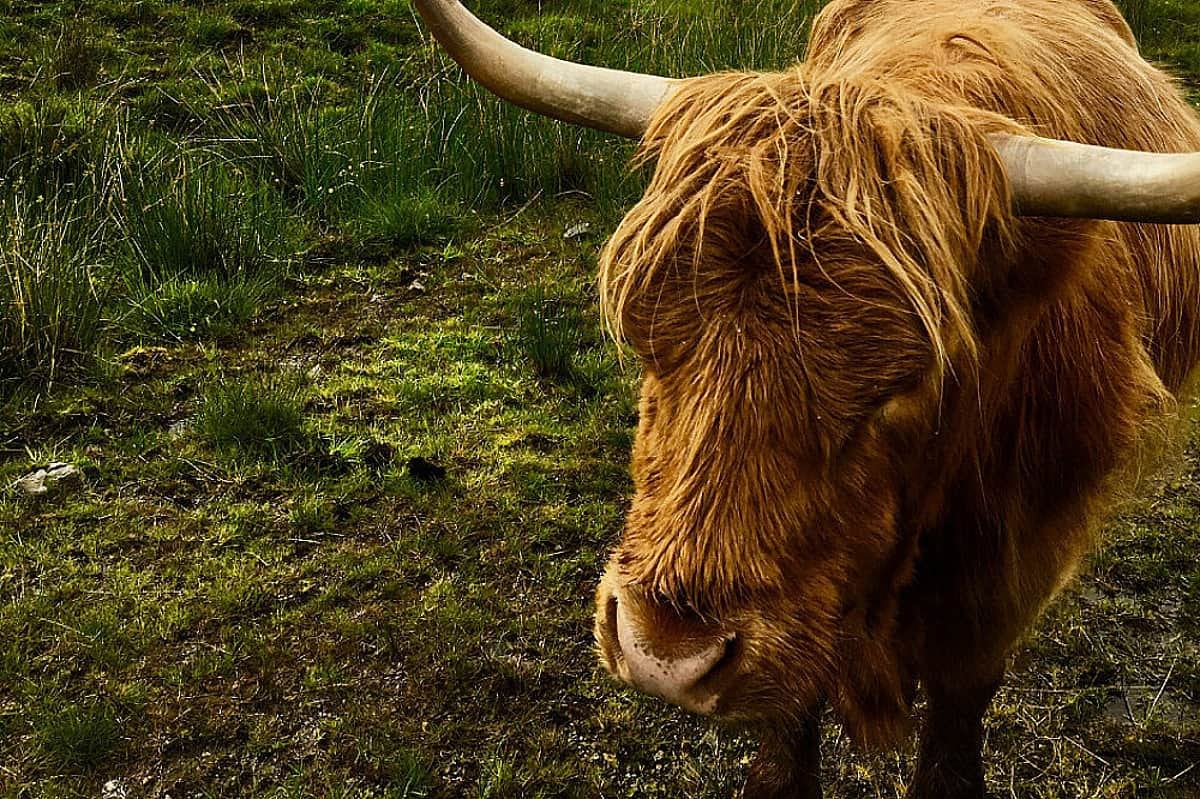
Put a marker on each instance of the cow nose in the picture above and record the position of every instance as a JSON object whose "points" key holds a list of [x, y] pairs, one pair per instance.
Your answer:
{"points": [[675, 661]]}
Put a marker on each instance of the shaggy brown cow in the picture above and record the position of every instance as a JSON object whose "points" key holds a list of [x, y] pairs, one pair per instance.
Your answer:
{"points": [[894, 365]]}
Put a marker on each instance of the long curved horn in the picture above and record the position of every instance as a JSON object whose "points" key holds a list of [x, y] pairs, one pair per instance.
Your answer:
{"points": [[1067, 179], [606, 99]]}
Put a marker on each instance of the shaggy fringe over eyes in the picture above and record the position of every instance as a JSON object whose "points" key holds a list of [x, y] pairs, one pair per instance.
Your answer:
{"points": [[819, 165]]}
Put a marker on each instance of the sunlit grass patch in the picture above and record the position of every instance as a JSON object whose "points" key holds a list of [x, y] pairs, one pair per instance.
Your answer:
{"points": [[311, 514], [203, 249], [258, 416], [56, 158], [551, 333], [680, 38], [210, 28], [62, 146], [498, 778], [408, 773], [287, 133], [386, 163], [499, 155], [194, 308]]}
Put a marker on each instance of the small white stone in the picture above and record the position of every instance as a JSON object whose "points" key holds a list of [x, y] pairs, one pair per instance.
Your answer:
{"points": [[61, 471], [41, 480], [33, 483], [114, 789], [577, 230]]}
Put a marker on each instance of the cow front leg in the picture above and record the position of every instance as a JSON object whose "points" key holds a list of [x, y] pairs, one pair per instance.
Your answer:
{"points": [[788, 764], [950, 763]]}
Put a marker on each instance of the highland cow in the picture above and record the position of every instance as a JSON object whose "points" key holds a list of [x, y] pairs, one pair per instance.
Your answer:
{"points": [[908, 314]]}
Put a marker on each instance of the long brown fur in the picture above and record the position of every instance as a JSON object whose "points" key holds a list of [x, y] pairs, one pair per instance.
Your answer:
{"points": [[881, 416]]}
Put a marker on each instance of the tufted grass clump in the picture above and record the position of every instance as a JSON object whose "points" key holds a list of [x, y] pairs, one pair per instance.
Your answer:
{"points": [[75, 59], [79, 737], [54, 143], [311, 514], [203, 248], [550, 333], [405, 218], [291, 136], [51, 302], [188, 217], [259, 416], [194, 308]]}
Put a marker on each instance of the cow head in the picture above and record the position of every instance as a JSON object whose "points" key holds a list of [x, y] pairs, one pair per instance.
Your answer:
{"points": [[797, 281], [794, 318]]}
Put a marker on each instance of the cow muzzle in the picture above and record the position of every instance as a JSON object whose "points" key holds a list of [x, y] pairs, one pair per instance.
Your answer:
{"points": [[663, 651]]}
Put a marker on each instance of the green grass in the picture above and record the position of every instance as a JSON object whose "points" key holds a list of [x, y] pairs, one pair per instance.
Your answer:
{"points": [[258, 416], [182, 308], [550, 332], [265, 158], [190, 218], [78, 738], [280, 250], [1169, 33], [202, 248], [51, 303]]}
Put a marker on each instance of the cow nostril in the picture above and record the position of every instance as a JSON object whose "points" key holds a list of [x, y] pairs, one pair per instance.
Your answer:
{"points": [[730, 654], [610, 622]]}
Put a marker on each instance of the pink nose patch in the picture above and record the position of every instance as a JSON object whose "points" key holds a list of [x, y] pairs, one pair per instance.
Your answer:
{"points": [[671, 677]]}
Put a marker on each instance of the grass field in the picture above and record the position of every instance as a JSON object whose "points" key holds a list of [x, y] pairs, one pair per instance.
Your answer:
{"points": [[265, 268]]}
